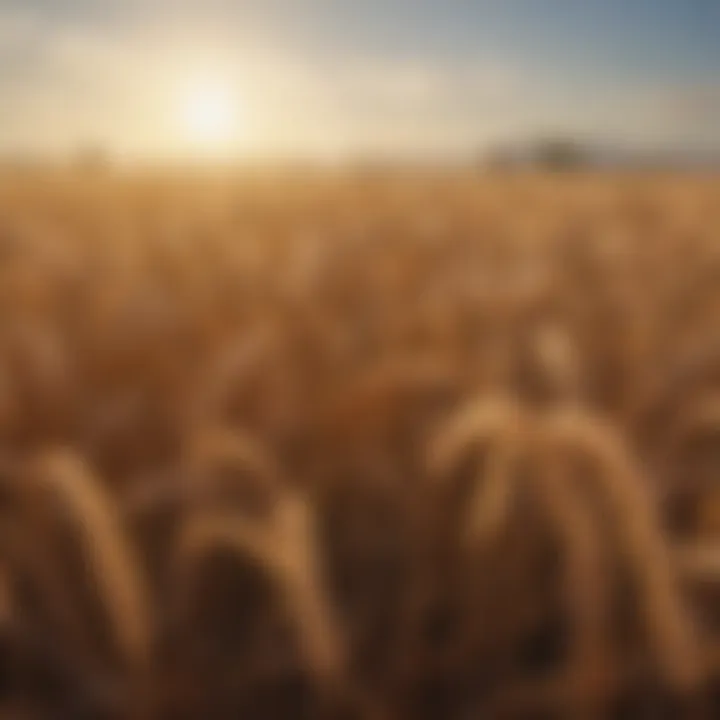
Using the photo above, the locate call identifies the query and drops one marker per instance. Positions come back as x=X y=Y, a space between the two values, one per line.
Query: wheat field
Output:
x=374 y=446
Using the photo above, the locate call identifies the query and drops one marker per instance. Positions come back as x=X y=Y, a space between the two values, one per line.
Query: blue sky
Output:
x=342 y=76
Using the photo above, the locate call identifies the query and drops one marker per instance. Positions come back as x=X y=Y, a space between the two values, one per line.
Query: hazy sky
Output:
x=339 y=76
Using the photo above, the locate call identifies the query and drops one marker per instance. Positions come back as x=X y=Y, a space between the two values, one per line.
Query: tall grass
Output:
x=328 y=447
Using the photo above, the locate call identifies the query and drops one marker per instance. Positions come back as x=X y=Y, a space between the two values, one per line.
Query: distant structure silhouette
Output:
x=92 y=159
x=558 y=154
x=551 y=153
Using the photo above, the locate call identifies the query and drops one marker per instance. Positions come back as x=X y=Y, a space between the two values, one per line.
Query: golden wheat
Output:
x=416 y=445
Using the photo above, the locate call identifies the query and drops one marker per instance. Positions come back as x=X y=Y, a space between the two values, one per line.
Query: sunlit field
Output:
x=374 y=445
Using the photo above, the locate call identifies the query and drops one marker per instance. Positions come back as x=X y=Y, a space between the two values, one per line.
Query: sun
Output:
x=209 y=114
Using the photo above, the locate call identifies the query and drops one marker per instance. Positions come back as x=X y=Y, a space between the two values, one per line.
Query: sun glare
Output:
x=210 y=116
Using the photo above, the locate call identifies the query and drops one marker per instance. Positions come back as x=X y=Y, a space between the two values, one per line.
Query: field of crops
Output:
x=377 y=447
